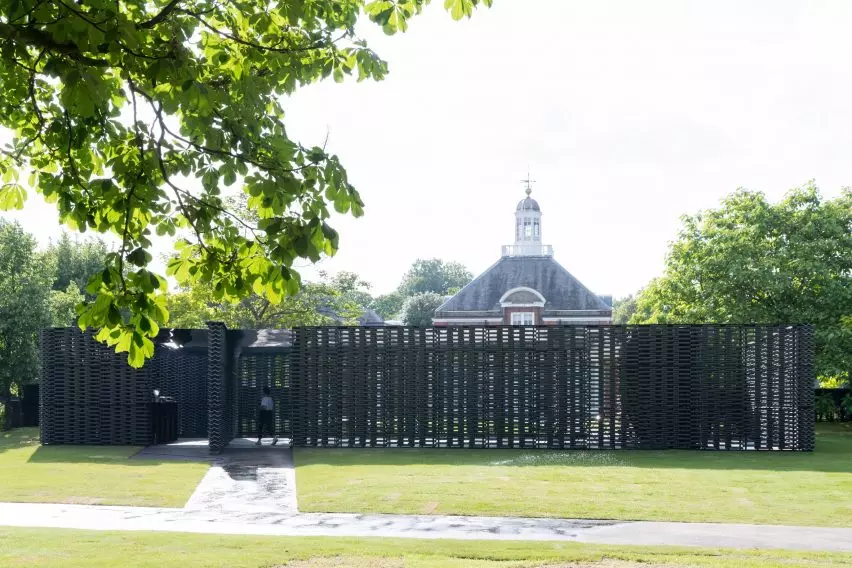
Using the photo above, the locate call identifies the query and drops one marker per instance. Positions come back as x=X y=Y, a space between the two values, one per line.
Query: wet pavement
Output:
x=244 y=478
x=251 y=490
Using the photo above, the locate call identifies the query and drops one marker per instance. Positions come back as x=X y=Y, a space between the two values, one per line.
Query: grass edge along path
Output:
x=783 y=488
x=73 y=548
x=91 y=475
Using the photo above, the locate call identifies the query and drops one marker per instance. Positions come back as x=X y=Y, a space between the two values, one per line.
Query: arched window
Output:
x=527 y=228
x=536 y=230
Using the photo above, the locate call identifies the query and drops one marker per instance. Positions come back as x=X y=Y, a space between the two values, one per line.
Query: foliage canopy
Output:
x=76 y=260
x=131 y=117
x=752 y=261
x=24 y=287
x=434 y=275
x=331 y=301
x=419 y=309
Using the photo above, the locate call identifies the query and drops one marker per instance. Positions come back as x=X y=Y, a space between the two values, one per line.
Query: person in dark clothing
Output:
x=266 y=417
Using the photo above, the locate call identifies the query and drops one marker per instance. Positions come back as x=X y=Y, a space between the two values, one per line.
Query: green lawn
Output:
x=101 y=475
x=744 y=487
x=68 y=548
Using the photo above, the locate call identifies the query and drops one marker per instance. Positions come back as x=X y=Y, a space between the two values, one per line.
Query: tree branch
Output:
x=260 y=47
x=129 y=212
x=71 y=161
x=164 y=13
x=38 y=38
x=242 y=157
x=177 y=191
x=222 y=210
x=97 y=25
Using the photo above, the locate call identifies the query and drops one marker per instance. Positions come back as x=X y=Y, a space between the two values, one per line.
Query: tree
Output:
x=351 y=288
x=24 y=286
x=419 y=309
x=623 y=309
x=132 y=116
x=751 y=261
x=62 y=305
x=76 y=261
x=317 y=303
x=434 y=275
x=388 y=305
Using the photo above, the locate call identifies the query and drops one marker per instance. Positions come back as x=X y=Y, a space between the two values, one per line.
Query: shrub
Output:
x=835 y=382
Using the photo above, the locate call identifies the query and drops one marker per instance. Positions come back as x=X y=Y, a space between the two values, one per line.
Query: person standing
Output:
x=266 y=417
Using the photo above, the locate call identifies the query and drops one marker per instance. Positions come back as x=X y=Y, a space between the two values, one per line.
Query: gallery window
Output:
x=523 y=318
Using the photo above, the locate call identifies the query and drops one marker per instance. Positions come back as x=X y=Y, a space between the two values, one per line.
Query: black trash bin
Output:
x=164 y=422
x=30 y=405
x=12 y=414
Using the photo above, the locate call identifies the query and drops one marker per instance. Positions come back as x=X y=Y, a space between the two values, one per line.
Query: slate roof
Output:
x=367 y=318
x=561 y=291
x=370 y=317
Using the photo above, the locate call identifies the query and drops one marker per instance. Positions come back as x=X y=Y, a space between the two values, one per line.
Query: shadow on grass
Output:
x=122 y=455
x=18 y=438
x=27 y=439
x=833 y=454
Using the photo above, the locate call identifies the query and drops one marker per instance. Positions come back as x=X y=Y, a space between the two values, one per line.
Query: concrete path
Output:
x=422 y=526
x=243 y=479
x=250 y=490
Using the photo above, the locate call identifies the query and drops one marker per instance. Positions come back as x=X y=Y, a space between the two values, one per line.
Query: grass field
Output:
x=743 y=487
x=68 y=548
x=101 y=475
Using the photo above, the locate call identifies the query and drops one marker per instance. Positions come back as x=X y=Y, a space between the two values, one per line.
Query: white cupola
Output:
x=528 y=221
x=527 y=228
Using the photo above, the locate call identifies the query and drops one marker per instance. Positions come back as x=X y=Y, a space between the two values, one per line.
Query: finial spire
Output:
x=528 y=182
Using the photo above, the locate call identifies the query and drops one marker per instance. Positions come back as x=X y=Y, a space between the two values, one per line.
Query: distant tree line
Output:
x=423 y=288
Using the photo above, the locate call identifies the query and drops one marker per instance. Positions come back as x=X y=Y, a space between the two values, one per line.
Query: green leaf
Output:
x=12 y=196
x=139 y=257
x=301 y=245
x=458 y=8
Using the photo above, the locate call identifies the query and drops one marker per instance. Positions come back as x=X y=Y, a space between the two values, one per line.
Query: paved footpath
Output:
x=252 y=491
x=422 y=526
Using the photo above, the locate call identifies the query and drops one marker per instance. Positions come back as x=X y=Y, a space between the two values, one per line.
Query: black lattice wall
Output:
x=182 y=375
x=89 y=394
x=575 y=387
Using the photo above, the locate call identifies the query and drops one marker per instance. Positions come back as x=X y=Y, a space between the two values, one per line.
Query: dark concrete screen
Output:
x=576 y=387
x=90 y=395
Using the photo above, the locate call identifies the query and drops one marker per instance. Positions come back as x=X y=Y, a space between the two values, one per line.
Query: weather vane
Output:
x=528 y=182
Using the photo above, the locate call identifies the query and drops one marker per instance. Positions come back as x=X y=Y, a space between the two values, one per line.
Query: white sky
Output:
x=628 y=114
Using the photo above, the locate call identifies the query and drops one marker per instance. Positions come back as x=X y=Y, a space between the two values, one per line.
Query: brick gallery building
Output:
x=526 y=286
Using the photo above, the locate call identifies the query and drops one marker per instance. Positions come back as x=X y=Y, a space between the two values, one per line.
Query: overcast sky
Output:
x=628 y=113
